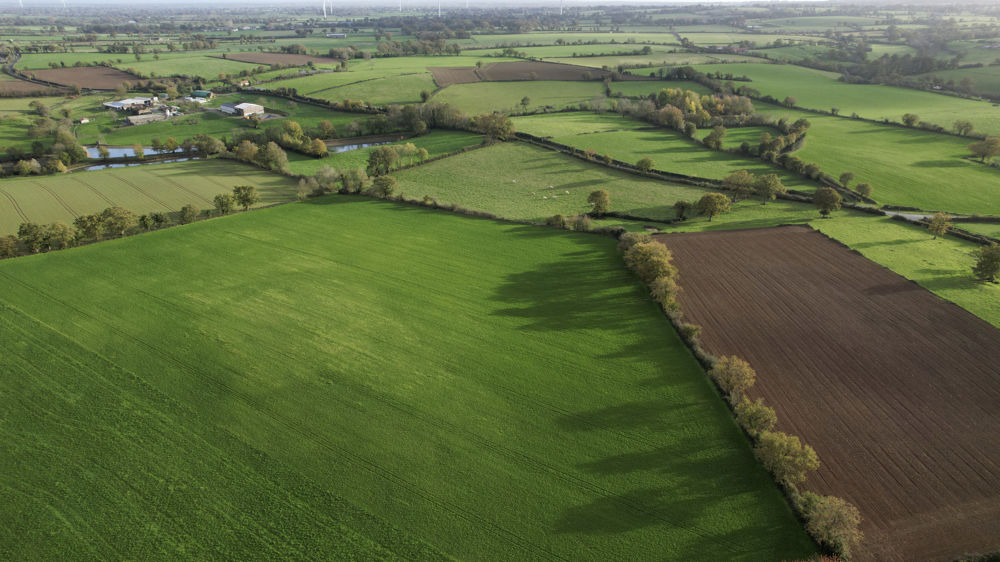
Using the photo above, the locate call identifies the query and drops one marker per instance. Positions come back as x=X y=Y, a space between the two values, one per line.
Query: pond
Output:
x=120 y=151
x=130 y=164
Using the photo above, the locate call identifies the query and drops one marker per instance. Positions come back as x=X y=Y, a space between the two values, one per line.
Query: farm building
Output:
x=336 y=35
x=242 y=109
x=130 y=104
x=202 y=94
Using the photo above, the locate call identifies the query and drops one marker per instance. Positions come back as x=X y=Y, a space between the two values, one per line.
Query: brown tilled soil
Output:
x=95 y=77
x=14 y=86
x=446 y=76
x=521 y=70
x=897 y=390
x=278 y=58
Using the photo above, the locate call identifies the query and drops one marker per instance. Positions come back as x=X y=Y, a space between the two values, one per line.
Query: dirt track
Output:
x=896 y=389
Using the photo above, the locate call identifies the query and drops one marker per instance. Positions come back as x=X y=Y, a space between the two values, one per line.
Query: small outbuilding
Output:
x=228 y=108
x=202 y=94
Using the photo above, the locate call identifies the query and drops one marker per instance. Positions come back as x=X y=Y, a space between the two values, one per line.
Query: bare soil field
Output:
x=93 y=77
x=14 y=86
x=895 y=388
x=446 y=76
x=278 y=58
x=510 y=71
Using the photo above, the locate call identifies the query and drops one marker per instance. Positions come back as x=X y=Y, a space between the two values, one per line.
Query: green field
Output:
x=985 y=80
x=143 y=189
x=906 y=167
x=943 y=266
x=288 y=398
x=485 y=97
x=208 y=67
x=816 y=89
x=656 y=59
x=436 y=143
x=629 y=141
x=393 y=89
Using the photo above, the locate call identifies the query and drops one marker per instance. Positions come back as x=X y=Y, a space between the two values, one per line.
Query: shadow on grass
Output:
x=877 y=243
x=939 y=164
x=948 y=279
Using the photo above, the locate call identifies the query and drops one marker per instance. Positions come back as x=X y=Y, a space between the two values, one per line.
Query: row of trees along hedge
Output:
x=831 y=521
x=112 y=222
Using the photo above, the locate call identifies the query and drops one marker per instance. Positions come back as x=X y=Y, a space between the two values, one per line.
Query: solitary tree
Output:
x=864 y=189
x=983 y=149
x=740 y=183
x=712 y=204
x=768 y=187
x=495 y=126
x=188 y=214
x=138 y=150
x=714 y=139
x=846 y=178
x=910 y=119
x=600 y=200
x=118 y=220
x=682 y=208
x=790 y=101
x=963 y=127
x=734 y=376
x=381 y=160
x=383 y=186
x=827 y=200
x=940 y=224
x=425 y=95
x=224 y=203
x=246 y=196
x=8 y=246
x=645 y=164
x=784 y=456
x=103 y=152
x=32 y=236
x=525 y=102
x=987 y=266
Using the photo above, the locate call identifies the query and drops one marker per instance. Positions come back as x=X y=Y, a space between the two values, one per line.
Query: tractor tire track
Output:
x=59 y=199
x=96 y=192
x=17 y=207
x=143 y=192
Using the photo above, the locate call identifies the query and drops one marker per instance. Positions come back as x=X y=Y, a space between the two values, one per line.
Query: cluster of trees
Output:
x=742 y=184
x=652 y=262
x=384 y=158
x=832 y=521
x=429 y=47
x=290 y=135
x=328 y=179
x=269 y=155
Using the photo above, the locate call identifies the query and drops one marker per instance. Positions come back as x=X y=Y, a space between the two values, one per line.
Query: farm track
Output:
x=894 y=388
x=56 y=196
x=14 y=204
x=296 y=427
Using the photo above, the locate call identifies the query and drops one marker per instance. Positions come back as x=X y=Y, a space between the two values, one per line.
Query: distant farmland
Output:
x=142 y=189
x=348 y=378
x=895 y=388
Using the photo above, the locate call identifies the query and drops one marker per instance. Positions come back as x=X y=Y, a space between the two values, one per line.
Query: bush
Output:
x=734 y=376
x=784 y=456
x=987 y=266
x=629 y=239
x=664 y=291
x=754 y=417
x=558 y=221
x=383 y=186
x=650 y=260
x=833 y=522
x=582 y=223
x=188 y=214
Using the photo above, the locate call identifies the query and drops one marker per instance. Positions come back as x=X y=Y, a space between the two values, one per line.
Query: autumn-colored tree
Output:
x=600 y=200
x=786 y=457
x=827 y=200
x=940 y=224
x=734 y=376
x=712 y=204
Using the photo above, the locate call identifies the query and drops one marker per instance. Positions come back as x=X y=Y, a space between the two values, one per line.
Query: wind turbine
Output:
x=560 y=7
x=439 y=8
x=324 y=9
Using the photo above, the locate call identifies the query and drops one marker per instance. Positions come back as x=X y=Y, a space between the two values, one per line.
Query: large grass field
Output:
x=355 y=378
x=142 y=189
x=436 y=143
x=816 y=89
x=904 y=166
x=485 y=97
x=630 y=140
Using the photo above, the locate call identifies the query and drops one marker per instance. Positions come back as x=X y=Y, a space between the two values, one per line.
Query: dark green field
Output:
x=348 y=378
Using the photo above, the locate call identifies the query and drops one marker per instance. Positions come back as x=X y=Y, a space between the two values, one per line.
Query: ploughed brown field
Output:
x=15 y=86
x=515 y=71
x=94 y=77
x=278 y=58
x=896 y=389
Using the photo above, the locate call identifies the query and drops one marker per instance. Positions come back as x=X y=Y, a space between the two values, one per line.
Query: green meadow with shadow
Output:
x=352 y=377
